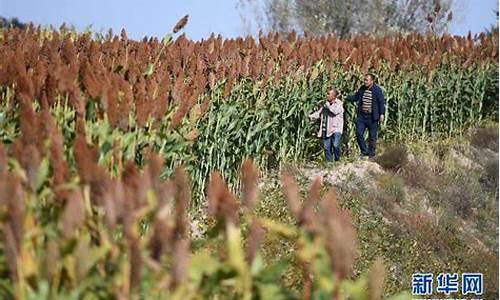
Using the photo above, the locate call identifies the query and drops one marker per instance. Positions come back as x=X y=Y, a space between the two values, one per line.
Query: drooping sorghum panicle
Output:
x=308 y=216
x=136 y=185
x=68 y=51
x=88 y=79
x=82 y=43
x=221 y=202
x=51 y=259
x=51 y=88
x=340 y=236
x=89 y=171
x=212 y=79
x=141 y=103
x=292 y=193
x=228 y=86
x=142 y=54
x=66 y=75
x=200 y=82
x=12 y=210
x=163 y=233
x=162 y=100
x=255 y=238
x=23 y=81
x=126 y=97
x=205 y=105
x=136 y=262
x=29 y=157
x=80 y=126
x=5 y=75
x=59 y=165
x=182 y=197
x=249 y=184
x=179 y=90
x=182 y=110
x=29 y=122
x=77 y=101
x=154 y=168
x=73 y=215
x=113 y=111
x=129 y=207
x=40 y=73
x=151 y=88
x=113 y=200
x=180 y=261
x=85 y=158
x=11 y=252
x=376 y=279
x=13 y=202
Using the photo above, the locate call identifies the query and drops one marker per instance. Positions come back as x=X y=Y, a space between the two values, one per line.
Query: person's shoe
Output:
x=361 y=157
x=329 y=164
x=371 y=158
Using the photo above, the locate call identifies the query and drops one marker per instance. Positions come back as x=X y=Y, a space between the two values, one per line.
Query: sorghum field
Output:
x=109 y=145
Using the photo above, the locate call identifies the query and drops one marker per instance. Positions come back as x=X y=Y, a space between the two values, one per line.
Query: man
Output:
x=371 y=110
x=331 y=116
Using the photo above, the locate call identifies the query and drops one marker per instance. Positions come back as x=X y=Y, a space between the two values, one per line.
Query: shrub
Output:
x=483 y=261
x=394 y=157
x=391 y=191
x=490 y=178
x=431 y=233
x=462 y=191
x=485 y=137
x=418 y=174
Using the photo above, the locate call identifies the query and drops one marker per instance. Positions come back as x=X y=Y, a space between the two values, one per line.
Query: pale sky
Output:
x=157 y=17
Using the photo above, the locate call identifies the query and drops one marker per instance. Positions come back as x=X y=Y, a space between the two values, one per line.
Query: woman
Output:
x=331 y=116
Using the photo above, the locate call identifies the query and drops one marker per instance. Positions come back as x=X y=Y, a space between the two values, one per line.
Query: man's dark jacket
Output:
x=378 y=101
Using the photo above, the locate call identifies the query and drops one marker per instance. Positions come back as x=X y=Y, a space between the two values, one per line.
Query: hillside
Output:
x=433 y=209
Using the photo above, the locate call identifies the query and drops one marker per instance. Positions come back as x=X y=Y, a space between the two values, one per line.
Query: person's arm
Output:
x=381 y=103
x=315 y=115
x=339 y=108
x=355 y=97
x=335 y=108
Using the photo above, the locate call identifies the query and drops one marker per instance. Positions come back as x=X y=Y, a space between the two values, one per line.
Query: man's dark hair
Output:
x=372 y=76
